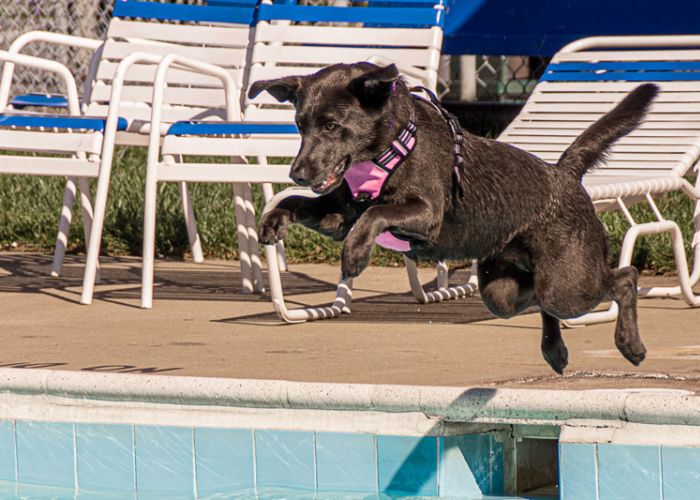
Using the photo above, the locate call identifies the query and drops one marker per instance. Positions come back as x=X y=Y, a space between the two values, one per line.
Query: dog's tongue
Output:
x=330 y=180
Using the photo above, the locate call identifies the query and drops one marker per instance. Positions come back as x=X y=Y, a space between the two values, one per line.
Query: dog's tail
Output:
x=594 y=143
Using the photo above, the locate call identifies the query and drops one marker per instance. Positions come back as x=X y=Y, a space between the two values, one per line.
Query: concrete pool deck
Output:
x=201 y=326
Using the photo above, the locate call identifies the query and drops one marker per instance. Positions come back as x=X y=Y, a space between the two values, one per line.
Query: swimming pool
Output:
x=64 y=434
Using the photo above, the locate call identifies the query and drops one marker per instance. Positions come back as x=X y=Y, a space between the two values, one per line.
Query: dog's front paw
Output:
x=355 y=259
x=273 y=226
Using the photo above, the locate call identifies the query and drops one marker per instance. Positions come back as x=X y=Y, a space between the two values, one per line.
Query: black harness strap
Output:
x=457 y=136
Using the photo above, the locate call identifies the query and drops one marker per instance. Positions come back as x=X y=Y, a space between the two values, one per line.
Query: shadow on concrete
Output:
x=29 y=273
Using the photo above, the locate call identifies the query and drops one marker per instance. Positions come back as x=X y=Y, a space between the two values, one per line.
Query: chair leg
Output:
x=149 y=238
x=243 y=243
x=341 y=304
x=59 y=252
x=86 y=209
x=191 y=223
x=444 y=291
x=685 y=288
x=94 y=241
x=667 y=291
x=281 y=253
x=253 y=250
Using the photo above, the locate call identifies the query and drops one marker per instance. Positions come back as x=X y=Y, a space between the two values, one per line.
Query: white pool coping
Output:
x=221 y=396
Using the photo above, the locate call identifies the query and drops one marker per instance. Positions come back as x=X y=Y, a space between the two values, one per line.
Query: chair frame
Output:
x=610 y=186
x=110 y=134
x=264 y=41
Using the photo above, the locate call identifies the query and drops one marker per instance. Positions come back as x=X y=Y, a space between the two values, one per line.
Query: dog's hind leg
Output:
x=627 y=337
x=505 y=289
x=553 y=348
x=508 y=290
x=578 y=279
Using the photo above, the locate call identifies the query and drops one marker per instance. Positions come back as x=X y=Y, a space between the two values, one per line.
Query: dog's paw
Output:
x=633 y=350
x=355 y=259
x=273 y=226
x=557 y=356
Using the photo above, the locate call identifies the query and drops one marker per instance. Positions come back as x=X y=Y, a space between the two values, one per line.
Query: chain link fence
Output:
x=88 y=18
x=507 y=79
x=470 y=78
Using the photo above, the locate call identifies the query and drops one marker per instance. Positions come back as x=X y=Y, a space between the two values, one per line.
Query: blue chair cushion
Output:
x=230 y=128
x=238 y=12
x=632 y=71
x=58 y=121
x=410 y=14
x=43 y=100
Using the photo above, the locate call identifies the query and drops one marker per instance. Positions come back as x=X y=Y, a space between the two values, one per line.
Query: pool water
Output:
x=31 y=491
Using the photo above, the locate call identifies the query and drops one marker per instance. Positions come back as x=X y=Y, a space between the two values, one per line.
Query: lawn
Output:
x=30 y=208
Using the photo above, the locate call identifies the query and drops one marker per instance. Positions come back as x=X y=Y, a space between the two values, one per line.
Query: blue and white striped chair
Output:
x=207 y=47
x=407 y=33
x=586 y=79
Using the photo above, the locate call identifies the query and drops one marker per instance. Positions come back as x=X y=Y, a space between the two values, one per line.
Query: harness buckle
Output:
x=363 y=197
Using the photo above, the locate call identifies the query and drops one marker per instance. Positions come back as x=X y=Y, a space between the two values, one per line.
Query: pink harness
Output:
x=367 y=179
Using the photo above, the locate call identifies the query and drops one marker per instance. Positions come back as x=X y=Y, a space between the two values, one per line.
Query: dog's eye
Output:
x=330 y=125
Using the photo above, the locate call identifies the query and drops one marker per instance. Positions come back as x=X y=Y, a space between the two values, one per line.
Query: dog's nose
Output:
x=300 y=178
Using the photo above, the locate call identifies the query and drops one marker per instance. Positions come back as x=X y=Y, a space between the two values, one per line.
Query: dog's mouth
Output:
x=334 y=178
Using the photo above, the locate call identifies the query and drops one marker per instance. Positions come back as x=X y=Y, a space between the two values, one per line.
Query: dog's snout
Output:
x=301 y=178
x=302 y=171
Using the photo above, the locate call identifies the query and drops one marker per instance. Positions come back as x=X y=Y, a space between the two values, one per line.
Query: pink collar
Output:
x=367 y=179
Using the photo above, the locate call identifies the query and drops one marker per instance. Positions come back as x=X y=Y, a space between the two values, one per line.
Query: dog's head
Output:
x=342 y=115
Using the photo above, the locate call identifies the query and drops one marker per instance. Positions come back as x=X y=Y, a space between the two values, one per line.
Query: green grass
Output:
x=30 y=206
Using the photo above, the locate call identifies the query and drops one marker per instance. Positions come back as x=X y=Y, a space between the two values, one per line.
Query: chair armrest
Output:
x=11 y=59
x=233 y=112
x=56 y=38
x=34 y=100
x=40 y=36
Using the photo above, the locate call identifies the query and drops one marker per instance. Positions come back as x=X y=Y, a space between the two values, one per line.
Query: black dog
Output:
x=530 y=224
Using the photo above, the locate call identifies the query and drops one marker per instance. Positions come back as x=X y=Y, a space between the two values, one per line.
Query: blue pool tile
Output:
x=681 y=472
x=285 y=459
x=577 y=472
x=626 y=471
x=38 y=492
x=497 y=466
x=346 y=462
x=45 y=453
x=407 y=464
x=164 y=461
x=7 y=451
x=465 y=465
x=224 y=460
x=105 y=457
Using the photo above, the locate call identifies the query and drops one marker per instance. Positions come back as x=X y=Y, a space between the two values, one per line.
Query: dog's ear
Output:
x=374 y=88
x=282 y=89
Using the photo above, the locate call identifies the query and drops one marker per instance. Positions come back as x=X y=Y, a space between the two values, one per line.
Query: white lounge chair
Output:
x=586 y=79
x=119 y=84
x=411 y=37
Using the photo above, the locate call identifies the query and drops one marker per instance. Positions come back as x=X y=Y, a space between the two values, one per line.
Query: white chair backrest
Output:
x=410 y=37
x=192 y=31
x=588 y=77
